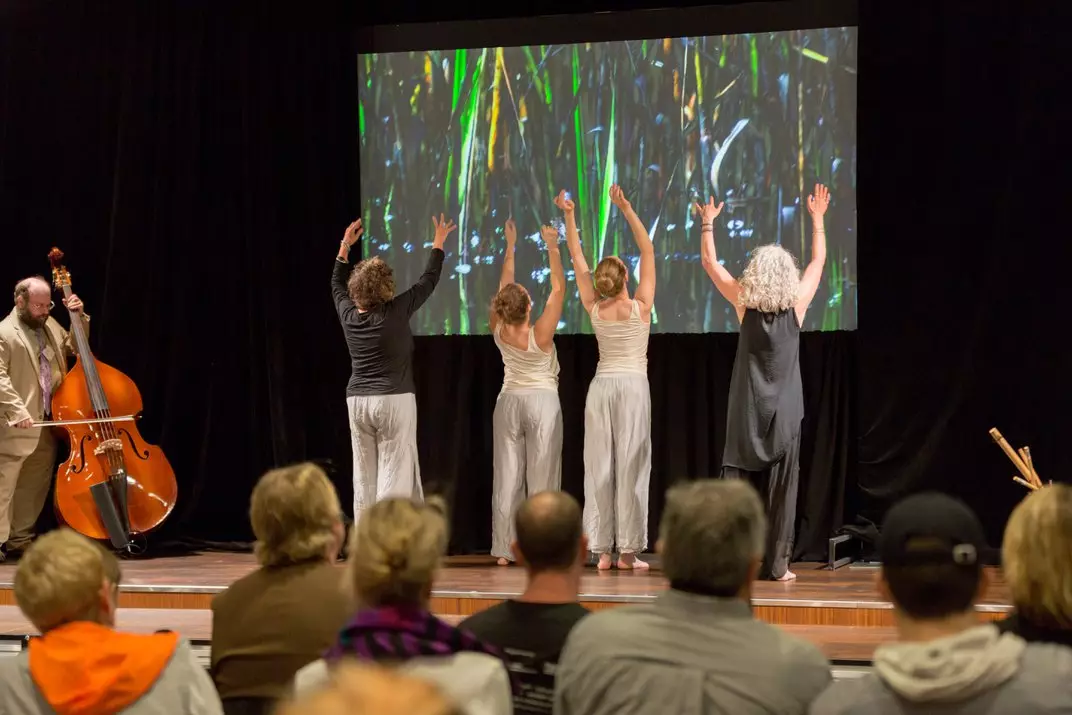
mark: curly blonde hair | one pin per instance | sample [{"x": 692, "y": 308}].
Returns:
[
  {"x": 371, "y": 284},
  {"x": 771, "y": 280},
  {"x": 395, "y": 549},
  {"x": 610, "y": 276},
  {"x": 511, "y": 304},
  {"x": 1035, "y": 553}
]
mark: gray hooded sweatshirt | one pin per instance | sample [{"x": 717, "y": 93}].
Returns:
[{"x": 978, "y": 672}]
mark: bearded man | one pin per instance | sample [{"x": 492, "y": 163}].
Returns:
[{"x": 34, "y": 349}]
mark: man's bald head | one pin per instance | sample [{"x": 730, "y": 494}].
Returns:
[
  {"x": 33, "y": 288},
  {"x": 549, "y": 531},
  {"x": 33, "y": 301}
]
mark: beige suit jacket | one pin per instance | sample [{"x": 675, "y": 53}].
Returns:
[{"x": 20, "y": 389}]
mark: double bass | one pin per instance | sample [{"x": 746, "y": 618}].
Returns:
[{"x": 114, "y": 485}]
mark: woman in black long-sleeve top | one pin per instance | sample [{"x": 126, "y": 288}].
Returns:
[{"x": 380, "y": 395}]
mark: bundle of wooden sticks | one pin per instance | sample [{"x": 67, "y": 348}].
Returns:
[{"x": 1021, "y": 459}]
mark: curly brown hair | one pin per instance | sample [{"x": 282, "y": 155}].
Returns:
[
  {"x": 511, "y": 304},
  {"x": 610, "y": 277},
  {"x": 371, "y": 284}
]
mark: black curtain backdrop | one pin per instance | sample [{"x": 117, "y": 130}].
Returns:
[{"x": 197, "y": 162}]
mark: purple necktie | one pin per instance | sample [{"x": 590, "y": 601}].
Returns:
[{"x": 46, "y": 373}]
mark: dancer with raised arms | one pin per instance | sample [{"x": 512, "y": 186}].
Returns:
[
  {"x": 766, "y": 398},
  {"x": 380, "y": 395},
  {"x": 528, "y": 416},
  {"x": 617, "y": 411}
]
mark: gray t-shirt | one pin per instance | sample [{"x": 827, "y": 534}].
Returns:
[{"x": 689, "y": 655}]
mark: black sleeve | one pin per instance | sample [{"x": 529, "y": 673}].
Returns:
[
  {"x": 420, "y": 291},
  {"x": 339, "y": 275}
]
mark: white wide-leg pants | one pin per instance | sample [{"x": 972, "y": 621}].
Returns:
[
  {"x": 528, "y": 457},
  {"x": 617, "y": 463},
  {"x": 383, "y": 434}
]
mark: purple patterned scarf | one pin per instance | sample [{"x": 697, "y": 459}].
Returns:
[{"x": 399, "y": 633}]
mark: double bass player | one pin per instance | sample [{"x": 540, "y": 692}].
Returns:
[{"x": 34, "y": 349}]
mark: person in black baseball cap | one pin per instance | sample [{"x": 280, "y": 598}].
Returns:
[
  {"x": 931, "y": 548},
  {"x": 946, "y": 660}
]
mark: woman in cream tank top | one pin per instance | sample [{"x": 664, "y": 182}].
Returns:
[
  {"x": 617, "y": 410},
  {"x": 527, "y": 424}
]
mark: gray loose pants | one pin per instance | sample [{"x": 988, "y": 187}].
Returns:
[
  {"x": 528, "y": 457},
  {"x": 617, "y": 463},
  {"x": 383, "y": 434}
]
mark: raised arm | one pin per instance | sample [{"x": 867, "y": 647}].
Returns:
[
  {"x": 507, "y": 275},
  {"x": 726, "y": 284},
  {"x": 581, "y": 272},
  {"x": 809, "y": 282},
  {"x": 420, "y": 291},
  {"x": 645, "y": 292},
  {"x": 341, "y": 272},
  {"x": 552, "y": 309}
]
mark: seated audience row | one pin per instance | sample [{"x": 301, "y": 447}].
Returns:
[{"x": 302, "y": 635}]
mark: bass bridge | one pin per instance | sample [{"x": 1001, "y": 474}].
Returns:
[{"x": 108, "y": 445}]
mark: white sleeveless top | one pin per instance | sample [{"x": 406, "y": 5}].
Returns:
[
  {"x": 530, "y": 369},
  {"x": 623, "y": 344}
]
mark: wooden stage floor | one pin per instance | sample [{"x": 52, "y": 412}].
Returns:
[
  {"x": 840, "y": 611},
  {"x": 845, "y": 597}
]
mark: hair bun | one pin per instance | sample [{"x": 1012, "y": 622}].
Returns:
[{"x": 397, "y": 561}]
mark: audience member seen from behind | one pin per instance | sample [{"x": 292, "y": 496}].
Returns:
[
  {"x": 1036, "y": 555},
  {"x": 68, "y": 587},
  {"x": 697, "y": 648},
  {"x": 395, "y": 551},
  {"x": 946, "y": 660},
  {"x": 532, "y": 629},
  {"x": 359, "y": 688},
  {"x": 284, "y": 615}
]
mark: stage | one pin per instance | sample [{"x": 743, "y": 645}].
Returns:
[{"x": 840, "y": 611}]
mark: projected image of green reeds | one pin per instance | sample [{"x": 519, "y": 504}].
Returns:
[{"x": 485, "y": 134}]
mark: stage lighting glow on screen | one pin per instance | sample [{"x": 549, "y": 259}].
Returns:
[{"x": 483, "y": 134}]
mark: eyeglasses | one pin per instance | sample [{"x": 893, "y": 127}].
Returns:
[{"x": 48, "y": 306}]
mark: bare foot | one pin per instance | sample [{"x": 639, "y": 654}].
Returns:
[
  {"x": 504, "y": 562},
  {"x": 789, "y": 576},
  {"x": 604, "y": 562},
  {"x": 631, "y": 562}
]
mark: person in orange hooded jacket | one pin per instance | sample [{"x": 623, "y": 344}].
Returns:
[{"x": 68, "y": 587}]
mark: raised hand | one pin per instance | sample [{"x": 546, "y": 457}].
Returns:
[
  {"x": 549, "y": 234},
  {"x": 510, "y": 229},
  {"x": 819, "y": 201},
  {"x": 708, "y": 212},
  {"x": 564, "y": 203},
  {"x": 443, "y": 227},
  {"x": 617, "y": 197},
  {"x": 353, "y": 232}
]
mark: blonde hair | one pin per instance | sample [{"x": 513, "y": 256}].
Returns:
[
  {"x": 511, "y": 304},
  {"x": 395, "y": 550},
  {"x": 610, "y": 276},
  {"x": 1036, "y": 551},
  {"x": 771, "y": 280},
  {"x": 294, "y": 512},
  {"x": 357, "y": 688},
  {"x": 60, "y": 577}
]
